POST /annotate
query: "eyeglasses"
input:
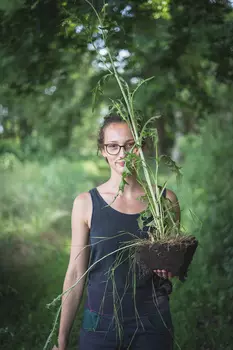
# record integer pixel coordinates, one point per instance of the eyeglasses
(113, 148)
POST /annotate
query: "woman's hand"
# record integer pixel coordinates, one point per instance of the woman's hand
(163, 273)
(62, 345)
(58, 348)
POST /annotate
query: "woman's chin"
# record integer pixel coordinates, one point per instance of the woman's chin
(119, 169)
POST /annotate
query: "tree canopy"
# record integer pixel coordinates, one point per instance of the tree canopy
(50, 66)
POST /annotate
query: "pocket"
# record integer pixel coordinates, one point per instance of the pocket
(161, 320)
(90, 320)
(94, 322)
(161, 331)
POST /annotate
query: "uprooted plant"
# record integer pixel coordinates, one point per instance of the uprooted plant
(165, 239)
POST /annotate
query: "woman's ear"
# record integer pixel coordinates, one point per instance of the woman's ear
(144, 147)
(136, 151)
(103, 153)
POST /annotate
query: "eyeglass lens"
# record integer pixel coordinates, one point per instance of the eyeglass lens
(115, 148)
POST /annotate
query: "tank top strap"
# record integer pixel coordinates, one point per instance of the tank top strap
(98, 204)
(97, 200)
(164, 191)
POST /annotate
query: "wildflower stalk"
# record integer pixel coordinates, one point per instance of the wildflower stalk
(155, 206)
(154, 195)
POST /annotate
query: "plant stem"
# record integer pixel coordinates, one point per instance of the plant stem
(155, 208)
(156, 212)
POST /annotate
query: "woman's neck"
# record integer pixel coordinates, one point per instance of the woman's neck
(131, 187)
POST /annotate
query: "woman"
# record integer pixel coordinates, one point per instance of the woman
(99, 225)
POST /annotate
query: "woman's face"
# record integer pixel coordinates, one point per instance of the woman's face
(117, 134)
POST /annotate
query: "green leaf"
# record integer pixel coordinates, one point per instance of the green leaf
(139, 85)
(173, 167)
(140, 222)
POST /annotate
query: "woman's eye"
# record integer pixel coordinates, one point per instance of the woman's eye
(113, 146)
(129, 145)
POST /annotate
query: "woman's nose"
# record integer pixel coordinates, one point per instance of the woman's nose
(122, 152)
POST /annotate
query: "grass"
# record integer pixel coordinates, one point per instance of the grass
(34, 248)
(34, 244)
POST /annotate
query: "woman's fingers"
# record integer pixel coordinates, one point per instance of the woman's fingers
(159, 272)
(170, 275)
(163, 273)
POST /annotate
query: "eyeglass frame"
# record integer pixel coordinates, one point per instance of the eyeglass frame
(115, 154)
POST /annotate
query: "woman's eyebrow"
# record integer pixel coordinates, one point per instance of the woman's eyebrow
(118, 141)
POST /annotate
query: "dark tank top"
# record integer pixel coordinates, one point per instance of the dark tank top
(115, 281)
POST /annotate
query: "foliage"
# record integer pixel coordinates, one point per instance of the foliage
(44, 53)
(206, 320)
(47, 74)
(34, 243)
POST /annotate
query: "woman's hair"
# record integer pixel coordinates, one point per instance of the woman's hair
(108, 119)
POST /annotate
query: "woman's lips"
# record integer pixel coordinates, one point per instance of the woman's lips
(122, 164)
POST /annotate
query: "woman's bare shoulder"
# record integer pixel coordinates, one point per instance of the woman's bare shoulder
(82, 206)
(171, 195)
(82, 197)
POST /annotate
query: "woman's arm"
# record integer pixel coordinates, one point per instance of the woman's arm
(79, 257)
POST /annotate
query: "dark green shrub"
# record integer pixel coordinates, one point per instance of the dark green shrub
(202, 307)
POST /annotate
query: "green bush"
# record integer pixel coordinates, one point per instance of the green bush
(202, 306)
(35, 197)
(35, 230)
(36, 202)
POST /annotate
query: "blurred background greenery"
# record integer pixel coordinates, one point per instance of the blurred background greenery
(49, 69)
